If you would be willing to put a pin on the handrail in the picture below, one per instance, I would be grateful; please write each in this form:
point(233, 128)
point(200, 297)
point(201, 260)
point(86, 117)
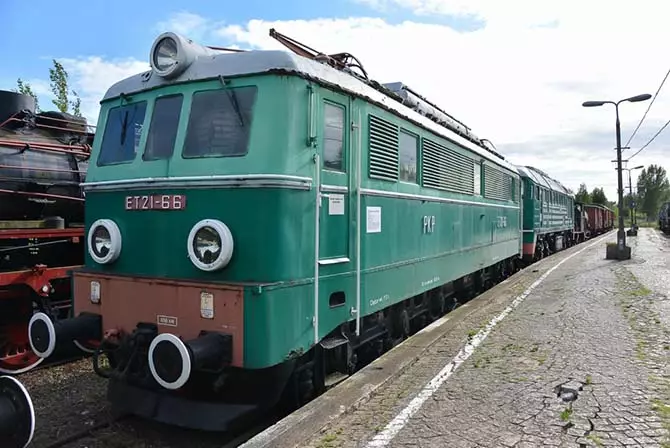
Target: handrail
point(77, 123)
point(30, 168)
point(83, 150)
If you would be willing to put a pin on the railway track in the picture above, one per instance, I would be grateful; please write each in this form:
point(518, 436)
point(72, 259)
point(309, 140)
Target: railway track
point(219, 440)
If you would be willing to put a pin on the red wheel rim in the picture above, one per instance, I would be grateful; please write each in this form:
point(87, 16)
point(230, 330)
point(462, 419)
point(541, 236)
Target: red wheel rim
point(16, 356)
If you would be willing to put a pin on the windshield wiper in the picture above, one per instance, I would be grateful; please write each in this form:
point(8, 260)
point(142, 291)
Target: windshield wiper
point(233, 99)
point(124, 128)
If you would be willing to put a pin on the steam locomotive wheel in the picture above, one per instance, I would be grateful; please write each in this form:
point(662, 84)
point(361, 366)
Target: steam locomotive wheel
point(87, 346)
point(16, 355)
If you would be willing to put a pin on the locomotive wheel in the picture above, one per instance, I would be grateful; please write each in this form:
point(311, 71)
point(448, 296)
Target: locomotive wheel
point(87, 346)
point(16, 355)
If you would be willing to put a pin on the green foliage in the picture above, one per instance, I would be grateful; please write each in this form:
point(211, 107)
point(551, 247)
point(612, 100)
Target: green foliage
point(25, 88)
point(598, 196)
point(653, 188)
point(59, 86)
point(583, 195)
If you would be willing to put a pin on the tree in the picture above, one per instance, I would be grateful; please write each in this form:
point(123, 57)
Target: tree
point(583, 195)
point(24, 88)
point(60, 89)
point(653, 188)
point(598, 196)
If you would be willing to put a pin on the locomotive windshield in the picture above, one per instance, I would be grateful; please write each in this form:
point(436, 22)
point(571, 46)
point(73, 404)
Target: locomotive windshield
point(220, 122)
point(121, 139)
point(163, 128)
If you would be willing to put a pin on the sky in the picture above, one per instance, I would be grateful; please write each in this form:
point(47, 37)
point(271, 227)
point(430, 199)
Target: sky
point(515, 71)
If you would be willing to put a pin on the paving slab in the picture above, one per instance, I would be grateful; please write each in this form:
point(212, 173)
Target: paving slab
point(582, 361)
point(360, 408)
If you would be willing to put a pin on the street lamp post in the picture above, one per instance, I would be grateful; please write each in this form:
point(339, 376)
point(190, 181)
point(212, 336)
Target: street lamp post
point(623, 252)
point(631, 206)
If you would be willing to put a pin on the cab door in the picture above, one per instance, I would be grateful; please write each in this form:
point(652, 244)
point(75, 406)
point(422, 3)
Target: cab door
point(335, 160)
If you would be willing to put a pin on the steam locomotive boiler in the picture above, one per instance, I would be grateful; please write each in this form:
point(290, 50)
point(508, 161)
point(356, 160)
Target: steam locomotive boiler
point(43, 159)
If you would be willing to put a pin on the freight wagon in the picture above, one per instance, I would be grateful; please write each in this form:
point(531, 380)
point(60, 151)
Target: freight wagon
point(600, 219)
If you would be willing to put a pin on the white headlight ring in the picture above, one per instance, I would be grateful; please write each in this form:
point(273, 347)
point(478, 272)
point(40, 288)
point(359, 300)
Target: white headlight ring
point(115, 241)
point(226, 245)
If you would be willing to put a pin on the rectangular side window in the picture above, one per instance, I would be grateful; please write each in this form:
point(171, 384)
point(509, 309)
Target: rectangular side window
point(407, 145)
point(333, 137)
point(163, 128)
point(220, 122)
point(123, 132)
point(477, 179)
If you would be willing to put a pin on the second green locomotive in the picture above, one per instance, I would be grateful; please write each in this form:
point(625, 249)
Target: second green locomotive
point(548, 221)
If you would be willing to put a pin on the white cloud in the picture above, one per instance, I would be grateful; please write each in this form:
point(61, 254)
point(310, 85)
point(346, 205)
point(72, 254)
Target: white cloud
point(519, 80)
point(188, 24)
point(92, 76)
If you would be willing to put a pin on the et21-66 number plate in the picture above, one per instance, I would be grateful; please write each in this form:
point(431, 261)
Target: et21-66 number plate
point(156, 202)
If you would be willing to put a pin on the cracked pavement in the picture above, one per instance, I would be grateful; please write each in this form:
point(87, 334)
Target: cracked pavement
point(582, 361)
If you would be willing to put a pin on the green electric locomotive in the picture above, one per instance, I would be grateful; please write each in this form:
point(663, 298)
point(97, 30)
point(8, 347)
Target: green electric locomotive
point(548, 218)
point(259, 222)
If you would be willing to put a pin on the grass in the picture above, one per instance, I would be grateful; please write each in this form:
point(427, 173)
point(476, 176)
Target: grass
point(631, 292)
point(565, 415)
point(595, 439)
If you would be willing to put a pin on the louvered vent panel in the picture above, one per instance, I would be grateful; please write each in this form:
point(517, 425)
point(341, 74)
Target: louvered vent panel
point(497, 185)
point(383, 149)
point(446, 169)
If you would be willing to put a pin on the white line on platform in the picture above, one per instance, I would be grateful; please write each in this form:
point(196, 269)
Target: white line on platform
point(393, 428)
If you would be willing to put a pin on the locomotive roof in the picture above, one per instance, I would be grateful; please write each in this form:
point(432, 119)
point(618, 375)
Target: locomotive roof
point(540, 177)
point(259, 62)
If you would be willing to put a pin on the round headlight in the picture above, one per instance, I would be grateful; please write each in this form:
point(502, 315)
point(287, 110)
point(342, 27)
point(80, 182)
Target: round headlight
point(164, 57)
point(210, 245)
point(104, 241)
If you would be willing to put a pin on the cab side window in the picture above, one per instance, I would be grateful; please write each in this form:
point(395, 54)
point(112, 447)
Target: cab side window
point(333, 137)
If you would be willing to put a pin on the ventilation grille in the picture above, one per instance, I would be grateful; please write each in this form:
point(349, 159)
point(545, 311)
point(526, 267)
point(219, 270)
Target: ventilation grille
point(446, 169)
point(383, 149)
point(497, 185)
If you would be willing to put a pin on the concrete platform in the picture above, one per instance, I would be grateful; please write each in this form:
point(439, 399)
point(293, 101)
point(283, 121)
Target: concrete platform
point(376, 404)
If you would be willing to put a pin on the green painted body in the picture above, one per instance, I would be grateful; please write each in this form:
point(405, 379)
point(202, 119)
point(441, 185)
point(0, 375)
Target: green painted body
point(274, 228)
point(545, 211)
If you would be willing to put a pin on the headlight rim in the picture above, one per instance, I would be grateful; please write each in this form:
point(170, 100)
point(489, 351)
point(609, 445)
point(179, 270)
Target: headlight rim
point(153, 55)
point(115, 241)
point(227, 245)
point(183, 58)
